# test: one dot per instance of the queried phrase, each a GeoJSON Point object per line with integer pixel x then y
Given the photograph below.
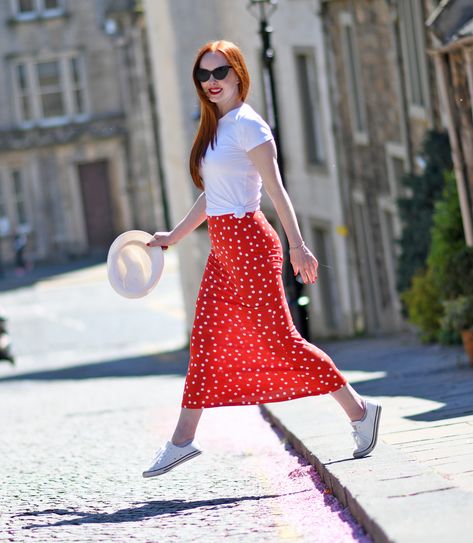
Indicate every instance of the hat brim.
{"type": "Point", "coordinates": [134, 269]}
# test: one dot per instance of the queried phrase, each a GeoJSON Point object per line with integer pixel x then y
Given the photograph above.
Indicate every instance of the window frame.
{"type": "Point", "coordinates": [315, 124]}
{"type": "Point", "coordinates": [355, 91]}
{"type": "Point", "coordinates": [387, 209]}
{"type": "Point", "coordinates": [10, 201]}
{"type": "Point", "coordinates": [19, 198]}
{"type": "Point", "coordinates": [67, 88]}
{"type": "Point", "coordinates": [399, 152]}
{"type": "Point", "coordinates": [39, 10]}
{"type": "Point", "coordinates": [414, 51]}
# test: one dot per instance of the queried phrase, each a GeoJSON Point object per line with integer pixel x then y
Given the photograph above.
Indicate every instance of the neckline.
{"type": "Point", "coordinates": [234, 110]}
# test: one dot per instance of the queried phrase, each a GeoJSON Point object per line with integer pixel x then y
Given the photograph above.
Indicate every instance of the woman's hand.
{"type": "Point", "coordinates": [162, 239]}
{"type": "Point", "coordinates": [305, 263]}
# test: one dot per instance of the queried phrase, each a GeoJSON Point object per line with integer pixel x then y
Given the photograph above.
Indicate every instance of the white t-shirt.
{"type": "Point", "coordinates": [231, 182]}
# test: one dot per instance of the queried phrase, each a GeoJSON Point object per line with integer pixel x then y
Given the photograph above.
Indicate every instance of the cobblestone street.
{"type": "Point", "coordinates": [76, 434]}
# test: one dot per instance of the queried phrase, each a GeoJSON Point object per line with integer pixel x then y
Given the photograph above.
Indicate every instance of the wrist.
{"type": "Point", "coordinates": [297, 246]}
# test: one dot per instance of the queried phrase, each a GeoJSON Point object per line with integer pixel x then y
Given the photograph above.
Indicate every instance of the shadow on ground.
{"type": "Point", "coordinates": [11, 281]}
{"type": "Point", "coordinates": [144, 511]}
{"type": "Point", "coordinates": [432, 372]}
{"type": "Point", "coordinates": [408, 368]}
{"type": "Point", "coordinates": [169, 363]}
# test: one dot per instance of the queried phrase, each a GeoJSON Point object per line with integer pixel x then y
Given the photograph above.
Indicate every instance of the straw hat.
{"type": "Point", "coordinates": [133, 268]}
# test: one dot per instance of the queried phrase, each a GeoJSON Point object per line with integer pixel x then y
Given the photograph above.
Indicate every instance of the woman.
{"type": "Point", "coordinates": [244, 347]}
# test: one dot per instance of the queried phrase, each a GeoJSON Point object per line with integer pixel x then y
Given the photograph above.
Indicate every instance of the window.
{"type": "Point", "coordinates": [310, 108]}
{"type": "Point", "coordinates": [48, 78]}
{"type": "Point", "coordinates": [50, 91]}
{"type": "Point", "coordinates": [3, 205]}
{"type": "Point", "coordinates": [396, 159]}
{"type": "Point", "coordinates": [77, 86]}
{"type": "Point", "coordinates": [14, 207]}
{"type": "Point", "coordinates": [390, 231]}
{"type": "Point", "coordinates": [18, 194]}
{"type": "Point", "coordinates": [33, 9]}
{"type": "Point", "coordinates": [412, 36]}
{"type": "Point", "coordinates": [23, 93]}
{"type": "Point", "coordinates": [354, 79]}
{"type": "Point", "coordinates": [25, 6]}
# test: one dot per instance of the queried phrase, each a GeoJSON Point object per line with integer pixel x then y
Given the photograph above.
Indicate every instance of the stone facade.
{"type": "Point", "coordinates": [384, 98]}
{"type": "Point", "coordinates": [78, 161]}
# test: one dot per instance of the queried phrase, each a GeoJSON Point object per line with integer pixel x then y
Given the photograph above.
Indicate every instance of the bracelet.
{"type": "Point", "coordinates": [298, 246]}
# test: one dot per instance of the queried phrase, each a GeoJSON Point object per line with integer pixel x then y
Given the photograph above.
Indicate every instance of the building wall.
{"type": "Point", "coordinates": [110, 124]}
{"type": "Point", "coordinates": [384, 96]}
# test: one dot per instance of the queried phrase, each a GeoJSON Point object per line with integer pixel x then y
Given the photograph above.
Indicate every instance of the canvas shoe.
{"type": "Point", "coordinates": [170, 456]}
{"type": "Point", "coordinates": [365, 431]}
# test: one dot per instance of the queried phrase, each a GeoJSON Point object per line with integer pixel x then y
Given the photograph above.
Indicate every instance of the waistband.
{"type": "Point", "coordinates": [237, 211]}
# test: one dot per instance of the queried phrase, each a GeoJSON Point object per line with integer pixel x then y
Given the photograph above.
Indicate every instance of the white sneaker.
{"type": "Point", "coordinates": [365, 431]}
{"type": "Point", "coordinates": [170, 456]}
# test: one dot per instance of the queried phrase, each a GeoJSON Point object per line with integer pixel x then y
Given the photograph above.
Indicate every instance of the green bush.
{"type": "Point", "coordinates": [448, 240]}
{"type": "Point", "coordinates": [449, 272]}
{"type": "Point", "coordinates": [458, 316]}
{"type": "Point", "coordinates": [416, 209]}
{"type": "Point", "coordinates": [460, 278]}
{"type": "Point", "coordinates": [423, 305]}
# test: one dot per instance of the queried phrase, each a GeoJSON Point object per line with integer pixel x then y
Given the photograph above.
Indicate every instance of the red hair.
{"type": "Point", "coordinates": [207, 131]}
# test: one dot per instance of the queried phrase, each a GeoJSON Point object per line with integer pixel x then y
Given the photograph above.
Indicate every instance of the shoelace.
{"type": "Point", "coordinates": [356, 437]}
{"type": "Point", "coordinates": [159, 454]}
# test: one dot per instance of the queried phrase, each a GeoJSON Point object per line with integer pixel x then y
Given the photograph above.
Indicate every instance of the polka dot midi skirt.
{"type": "Point", "coordinates": [245, 349]}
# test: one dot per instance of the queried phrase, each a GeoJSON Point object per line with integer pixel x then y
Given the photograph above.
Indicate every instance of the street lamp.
{"type": "Point", "coordinates": [262, 10]}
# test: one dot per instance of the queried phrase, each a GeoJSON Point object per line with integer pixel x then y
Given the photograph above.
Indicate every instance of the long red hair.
{"type": "Point", "coordinates": [207, 131]}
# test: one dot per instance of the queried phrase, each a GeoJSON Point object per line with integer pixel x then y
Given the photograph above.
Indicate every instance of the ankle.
{"type": "Point", "coordinates": [181, 442]}
{"type": "Point", "coordinates": [360, 413]}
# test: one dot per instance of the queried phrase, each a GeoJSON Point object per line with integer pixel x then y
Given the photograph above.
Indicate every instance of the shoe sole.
{"type": "Point", "coordinates": [154, 473]}
{"type": "Point", "coordinates": [374, 439]}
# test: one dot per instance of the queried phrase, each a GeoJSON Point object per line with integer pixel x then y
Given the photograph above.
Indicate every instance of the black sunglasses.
{"type": "Point", "coordinates": [219, 73]}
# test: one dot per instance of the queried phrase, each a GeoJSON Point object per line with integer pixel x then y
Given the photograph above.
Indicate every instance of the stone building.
{"type": "Point", "coordinates": [383, 93]}
{"type": "Point", "coordinates": [177, 28]}
{"type": "Point", "coordinates": [452, 25]}
{"type": "Point", "coordinates": [78, 156]}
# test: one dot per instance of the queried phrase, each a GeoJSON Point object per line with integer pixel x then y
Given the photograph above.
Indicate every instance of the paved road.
{"type": "Point", "coordinates": [89, 403]}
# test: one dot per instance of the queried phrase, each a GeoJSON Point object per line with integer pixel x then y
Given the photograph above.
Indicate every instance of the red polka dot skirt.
{"type": "Point", "coordinates": [245, 349]}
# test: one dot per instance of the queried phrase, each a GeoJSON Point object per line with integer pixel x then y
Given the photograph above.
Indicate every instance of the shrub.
{"type": "Point", "coordinates": [449, 272]}
{"type": "Point", "coordinates": [417, 208]}
{"type": "Point", "coordinates": [460, 278]}
{"type": "Point", "coordinates": [423, 305]}
{"type": "Point", "coordinates": [448, 240]}
{"type": "Point", "coordinates": [458, 316]}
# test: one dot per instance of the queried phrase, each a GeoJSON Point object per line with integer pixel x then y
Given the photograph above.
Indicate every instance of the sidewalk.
{"type": "Point", "coordinates": [417, 485]}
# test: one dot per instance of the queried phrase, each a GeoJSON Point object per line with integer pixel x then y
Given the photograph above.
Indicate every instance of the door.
{"type": "Point", "coordinates": [96, 202]}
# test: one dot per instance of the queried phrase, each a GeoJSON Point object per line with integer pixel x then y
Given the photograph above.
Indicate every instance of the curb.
{"type": "Point", "coordinates": [333, 483]}
{"type": "Point", "coordinates": [394, 499]}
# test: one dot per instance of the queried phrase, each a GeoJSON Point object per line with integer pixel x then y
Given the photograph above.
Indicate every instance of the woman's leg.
{"type": "Point", "coordinates": [350, 401]}
{"type": "Point", "coordinates": [186, 425]}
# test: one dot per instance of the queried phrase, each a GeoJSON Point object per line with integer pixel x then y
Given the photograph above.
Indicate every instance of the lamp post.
{"type": "Point", "coordinates": [262, 10]}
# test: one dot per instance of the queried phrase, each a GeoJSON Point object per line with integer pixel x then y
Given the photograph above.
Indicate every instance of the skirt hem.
{"type": "Point", "coordinates": [276, 400]}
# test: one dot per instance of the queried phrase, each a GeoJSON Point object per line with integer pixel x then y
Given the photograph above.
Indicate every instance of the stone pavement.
{"type": "Point", "coordinates": [89, 401]}
{"type": "Point", "coordinates": [418, 483]}
{"type": "Point", "coordinates": [73, 451]}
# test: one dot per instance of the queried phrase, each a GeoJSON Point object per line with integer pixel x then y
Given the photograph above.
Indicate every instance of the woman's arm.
{"type": "Point", "coordinates": [265, 160]}
{"type": "Point", "coordinates": [189, 223]}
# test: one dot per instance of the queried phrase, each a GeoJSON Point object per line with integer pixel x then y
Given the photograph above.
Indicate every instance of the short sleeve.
{"type": "Point", "coordinates": [254, 132]}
